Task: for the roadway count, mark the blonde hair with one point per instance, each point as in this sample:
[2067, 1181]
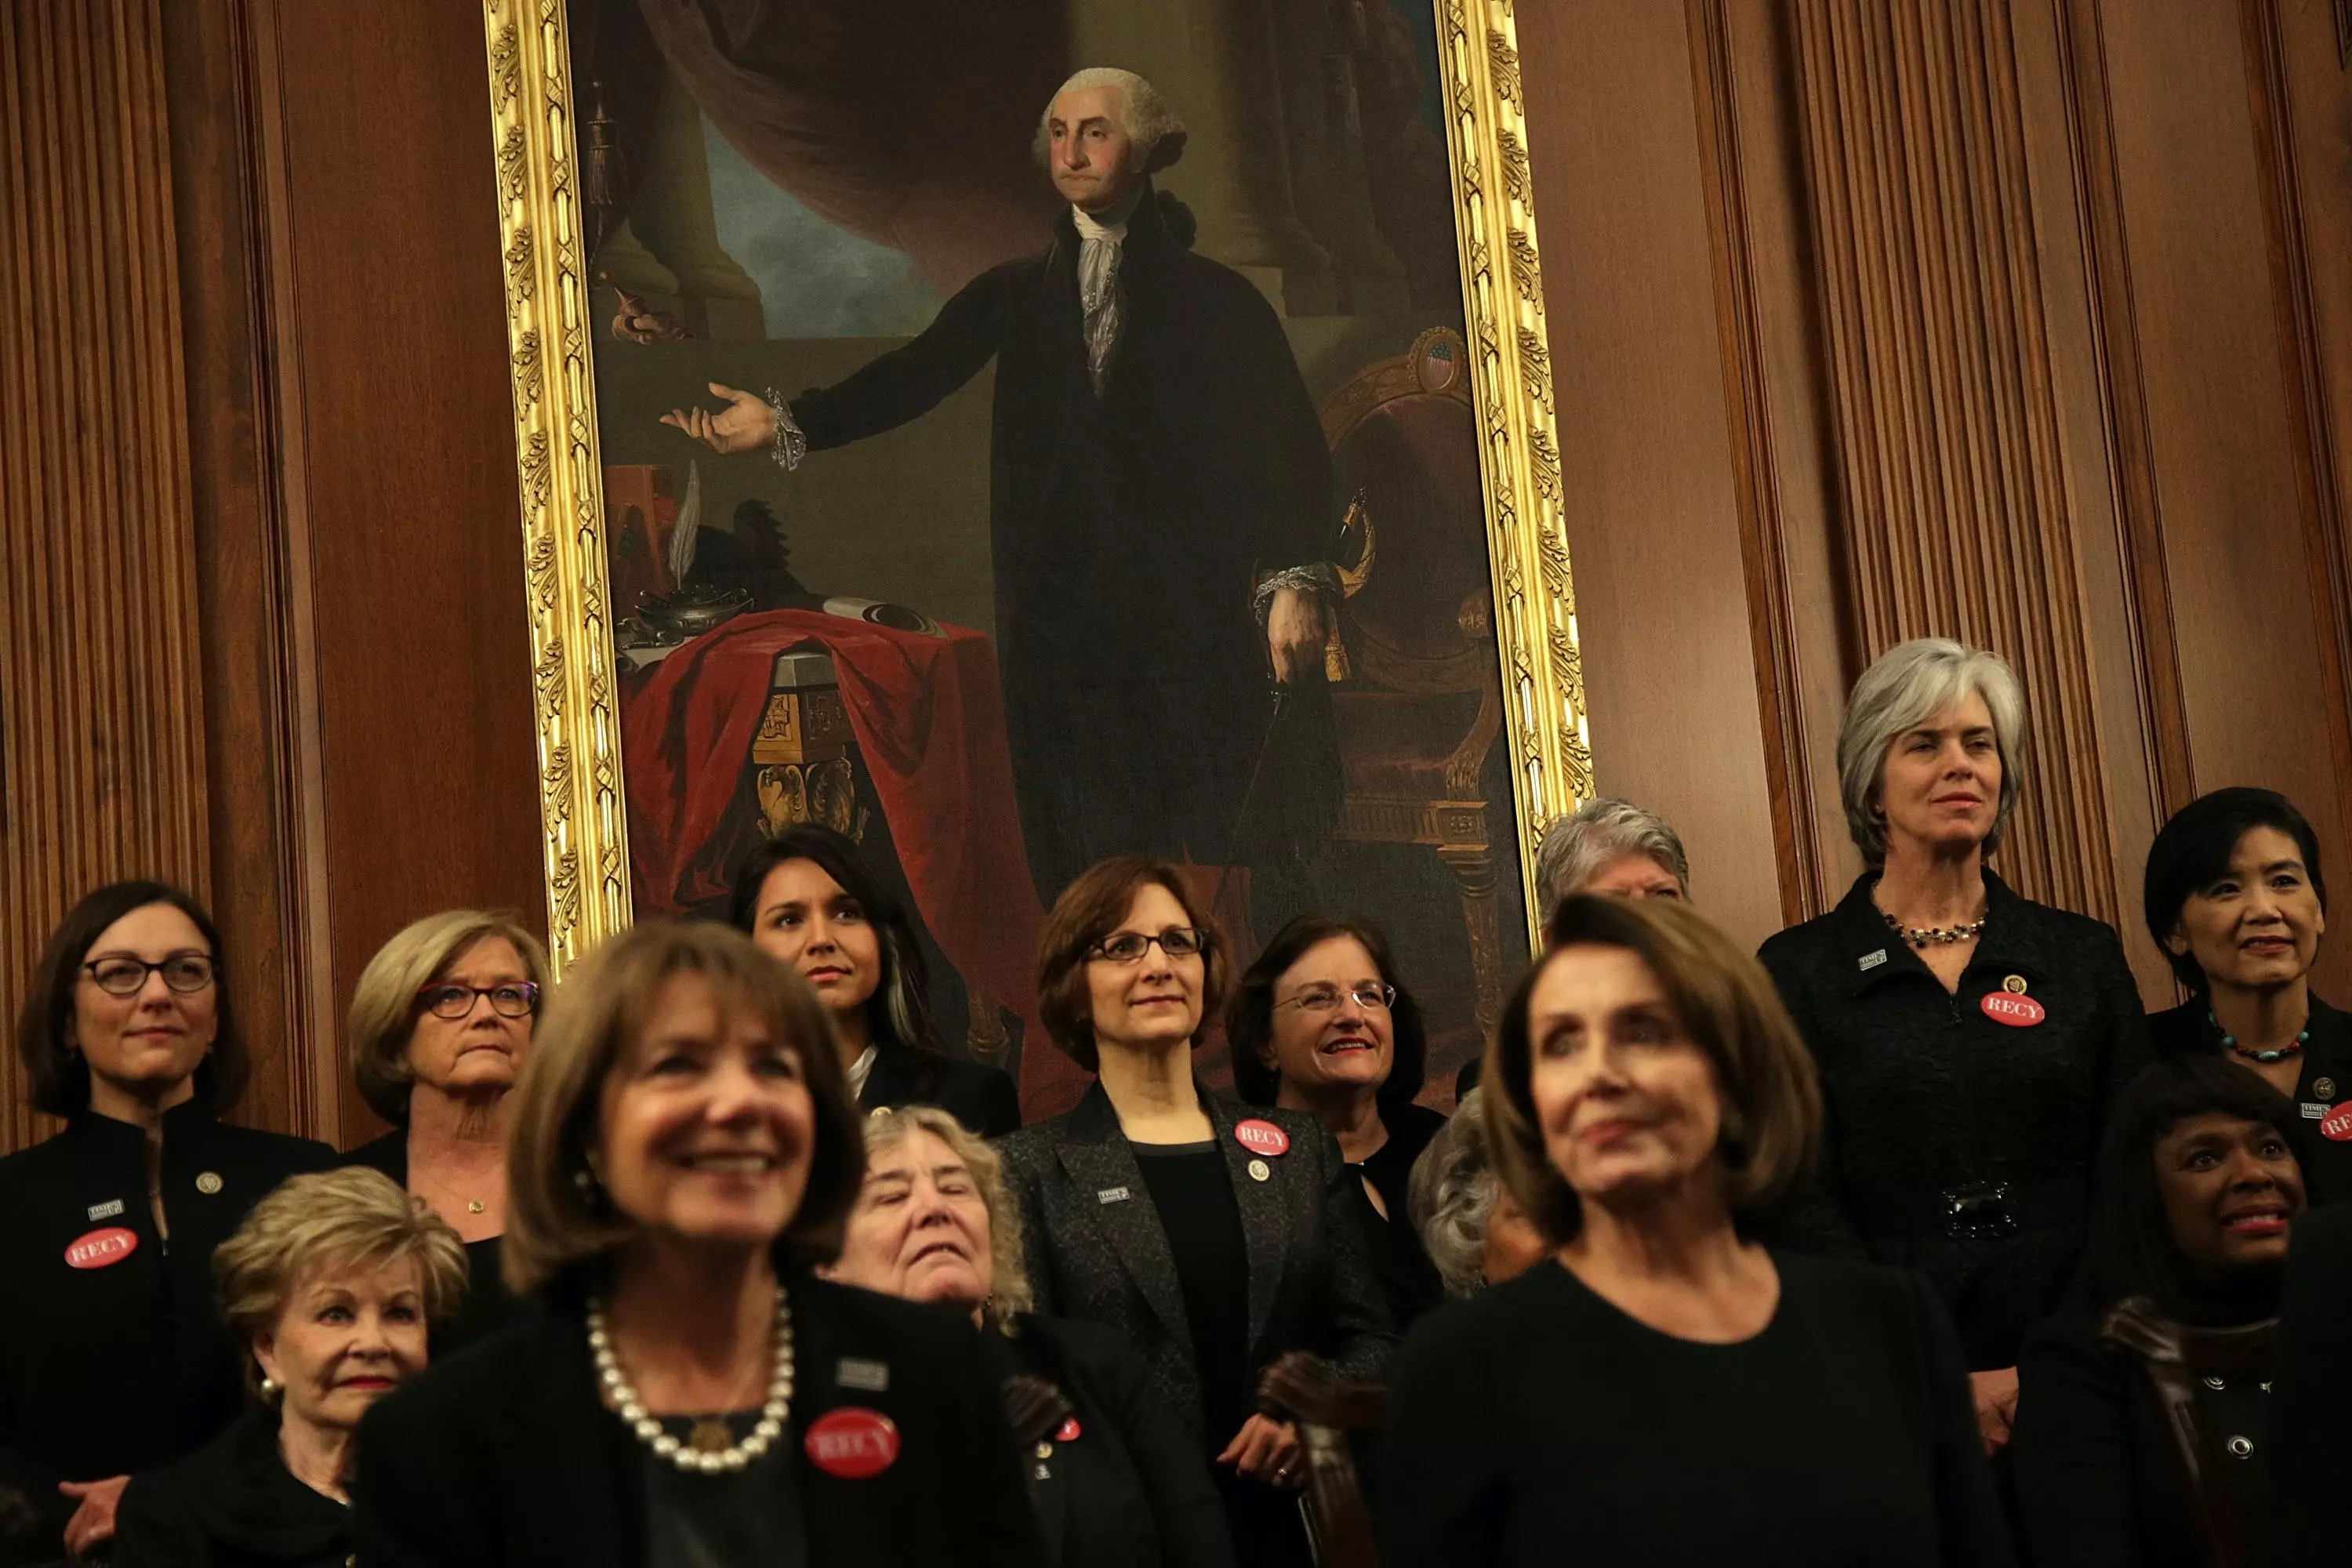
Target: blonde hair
[561, 1225]
[1772, 1104]
[1009, 1294]
[384, 1004]
[354, 1217]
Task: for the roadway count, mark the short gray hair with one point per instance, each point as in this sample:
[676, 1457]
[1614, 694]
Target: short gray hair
[1909, 685]
[1450, 1196]
[1575, 846]
[1151, 126]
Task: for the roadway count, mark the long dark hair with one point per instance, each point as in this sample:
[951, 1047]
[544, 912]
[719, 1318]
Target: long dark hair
[897, 1017]
[1249, 1022]
[56, 1072]
[2133, 1252]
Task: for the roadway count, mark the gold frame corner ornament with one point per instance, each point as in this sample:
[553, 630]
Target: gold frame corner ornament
[560, 477]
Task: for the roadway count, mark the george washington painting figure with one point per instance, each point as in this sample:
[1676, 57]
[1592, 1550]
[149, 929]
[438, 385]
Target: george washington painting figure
[1161, 513]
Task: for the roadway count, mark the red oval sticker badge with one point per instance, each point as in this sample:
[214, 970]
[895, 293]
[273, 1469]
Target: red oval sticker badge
[100, 1248]
[1261, 1137]
[2008, 1007]
[2337, 1125]
[1067, 1432]
[853, 1442]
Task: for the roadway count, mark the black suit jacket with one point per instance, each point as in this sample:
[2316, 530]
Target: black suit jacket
[2310, 1439]
[982, 1097]
[1129, 1489]
[503, 1456]
[2324, 1083]
[1096, 1250]
[231, 1504]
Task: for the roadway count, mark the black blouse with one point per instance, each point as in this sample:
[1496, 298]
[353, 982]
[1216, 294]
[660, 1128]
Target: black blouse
[1408, 1277]
[1194, 1200]
[2324, 1083]
[489, 1305]
[231, 1504]
[1952, 1142]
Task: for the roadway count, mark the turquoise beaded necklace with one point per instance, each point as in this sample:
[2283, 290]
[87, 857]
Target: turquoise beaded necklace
[2230, 1043]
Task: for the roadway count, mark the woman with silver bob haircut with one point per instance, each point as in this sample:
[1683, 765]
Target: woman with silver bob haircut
[1118, 1474]
[1611, 846]
[1969, 1041]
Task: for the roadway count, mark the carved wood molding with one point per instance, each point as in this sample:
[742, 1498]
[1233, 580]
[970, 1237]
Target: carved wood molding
[101, 751]
[1955, 513]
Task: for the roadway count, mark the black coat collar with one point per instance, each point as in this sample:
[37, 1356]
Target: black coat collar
[2012, 941]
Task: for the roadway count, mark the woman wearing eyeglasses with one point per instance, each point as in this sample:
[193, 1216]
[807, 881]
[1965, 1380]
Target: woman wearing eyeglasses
[112, 1354]
[1214, 1236]
[441, 1022]
[1320, 1024]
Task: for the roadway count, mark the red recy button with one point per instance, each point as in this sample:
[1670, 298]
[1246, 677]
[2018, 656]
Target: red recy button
[853, 1443]
[101, 1247]
[2007, 1007]
[1068, 1431]
[1261, 1137]
[2337, 1125]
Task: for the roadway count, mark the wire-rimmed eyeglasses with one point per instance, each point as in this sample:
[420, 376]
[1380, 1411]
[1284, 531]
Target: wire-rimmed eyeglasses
[1129, 946]
[1326, 998]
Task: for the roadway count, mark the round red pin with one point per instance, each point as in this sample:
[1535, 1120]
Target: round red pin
[2008, 1007]
[853, 1443]
[100, 1248]
[1067, 1432]
[2337, 1125]
[1261, 1137]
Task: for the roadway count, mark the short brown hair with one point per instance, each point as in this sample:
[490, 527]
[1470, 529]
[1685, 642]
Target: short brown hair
[1090, 909]
[57, 1075]
[385, 1007]
[1010, 1294]
[355, 1217]
[1724, 1002]
[560, 1229]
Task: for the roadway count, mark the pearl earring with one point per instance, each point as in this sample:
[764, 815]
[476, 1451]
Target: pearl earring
[270, 1388]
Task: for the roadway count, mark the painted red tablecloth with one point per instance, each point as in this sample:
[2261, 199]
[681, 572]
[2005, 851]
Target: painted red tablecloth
[929, 722]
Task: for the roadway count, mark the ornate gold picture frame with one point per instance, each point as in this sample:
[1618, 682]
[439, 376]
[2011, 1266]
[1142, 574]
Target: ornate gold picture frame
[561, 319]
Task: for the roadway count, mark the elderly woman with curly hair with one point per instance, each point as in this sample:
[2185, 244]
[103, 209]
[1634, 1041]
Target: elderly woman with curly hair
[331, 1283]
[1115, 1481]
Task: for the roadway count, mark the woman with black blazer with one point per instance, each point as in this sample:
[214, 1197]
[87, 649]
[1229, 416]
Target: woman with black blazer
[1216, 1239]
[1116, 1481]
[2236, 898]
[1968, 1041]
[806, 897]
[113, 1357]
[684, 1152]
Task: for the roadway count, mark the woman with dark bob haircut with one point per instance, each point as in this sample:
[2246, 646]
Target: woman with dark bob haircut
[112, 1355]
[1214, 1239]
[2141, 1410]
[1662, 1388]
[2235, 897]
[807, 896]
[685, 1156]
[1321, 1023]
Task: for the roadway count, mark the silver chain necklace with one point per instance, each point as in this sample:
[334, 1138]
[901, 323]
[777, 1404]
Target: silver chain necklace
[708, 1449]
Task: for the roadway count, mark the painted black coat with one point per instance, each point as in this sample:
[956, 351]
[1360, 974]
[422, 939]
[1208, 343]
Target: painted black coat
[1127, 531]
[105, 1371]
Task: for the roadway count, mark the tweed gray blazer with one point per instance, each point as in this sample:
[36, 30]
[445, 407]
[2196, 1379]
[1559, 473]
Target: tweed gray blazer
[1106, 1260]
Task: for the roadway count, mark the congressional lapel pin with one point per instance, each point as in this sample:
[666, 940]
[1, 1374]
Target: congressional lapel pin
[2014, 984]
[2313, 1111]
[2325, 1087]
[2010, 1008]
[872, 1376]
[2337, 1125]
[852, 1443]
[1871, 961]
[1261, 1137]
[1067, 1432]
[106, 1210]
[1260, 1171]
[208, 1183]
[1045, 1449]
[1111, 1196]
[101, 1248]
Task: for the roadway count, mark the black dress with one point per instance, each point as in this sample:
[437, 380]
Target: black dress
[982, 1097]
[231, 1504]
[1951, 1142]
[489, 1305]
[2324, 1083]
[114, 1358]
[1122, 1485]
[1536, 1424]
[1408, 1279]
[504, 1456]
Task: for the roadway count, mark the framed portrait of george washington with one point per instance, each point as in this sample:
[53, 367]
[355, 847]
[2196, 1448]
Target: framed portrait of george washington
[1013, 436]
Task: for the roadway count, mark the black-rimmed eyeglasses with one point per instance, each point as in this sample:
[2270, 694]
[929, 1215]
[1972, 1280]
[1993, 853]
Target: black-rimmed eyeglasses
[1129, 946]
[183, 971]
[447, 999]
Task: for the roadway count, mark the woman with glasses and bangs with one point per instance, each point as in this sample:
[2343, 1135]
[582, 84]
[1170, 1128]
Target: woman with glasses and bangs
[1216, 1236]
[441, 1024]
[112, 1355]
[1321, 1024]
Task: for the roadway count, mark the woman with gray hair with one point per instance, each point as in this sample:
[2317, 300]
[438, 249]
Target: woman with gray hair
[1970, 1042]
[1115, 1481]
[1467, 1217]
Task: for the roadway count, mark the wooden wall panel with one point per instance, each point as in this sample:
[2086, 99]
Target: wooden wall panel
[101, 737]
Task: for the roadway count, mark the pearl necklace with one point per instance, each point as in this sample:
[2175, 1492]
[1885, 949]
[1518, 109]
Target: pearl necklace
[703, 1452]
